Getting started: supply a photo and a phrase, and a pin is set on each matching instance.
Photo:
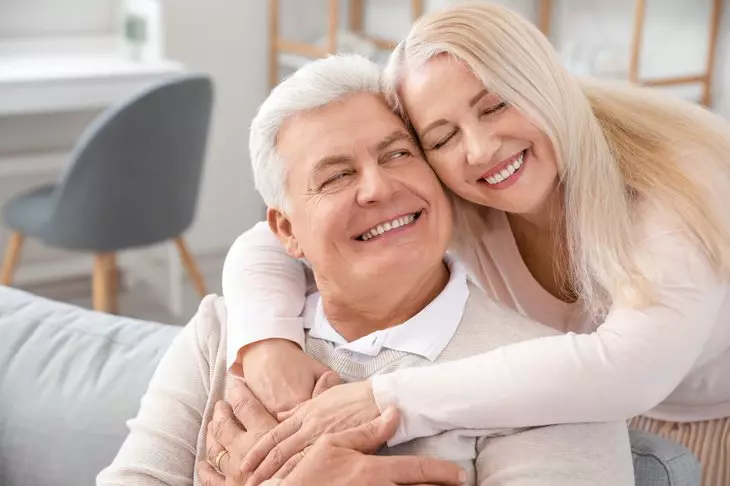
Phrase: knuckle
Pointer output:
(218, 424)
(241, 407)
(277, 456)
(209, 451)
(219, 408)
(275, 435)
(370, 430)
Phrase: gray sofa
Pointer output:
(70, 378)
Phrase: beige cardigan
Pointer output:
(167, 438)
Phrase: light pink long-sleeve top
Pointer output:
(670, 361)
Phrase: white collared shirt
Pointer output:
(425, 334)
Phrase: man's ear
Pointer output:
(281, 227)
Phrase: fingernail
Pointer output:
(388, 414)
(463, 476)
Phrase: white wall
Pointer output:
(32, 18)
(228, 39)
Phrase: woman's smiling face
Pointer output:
(482, 148)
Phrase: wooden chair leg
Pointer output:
(104, 282)
(12, 256)
(191, 266)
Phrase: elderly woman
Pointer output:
(348, 189)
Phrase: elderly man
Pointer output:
(349, 190)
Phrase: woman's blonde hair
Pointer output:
(615, 146)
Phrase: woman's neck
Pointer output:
(541, 239)
(545, 220)
(354, 312)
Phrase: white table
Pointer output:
(42, 77)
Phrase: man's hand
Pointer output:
(341, 458)
(337, 409)
(280, 375)
(236, 427)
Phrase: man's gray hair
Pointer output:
(315, 85)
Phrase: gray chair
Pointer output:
(133, 180)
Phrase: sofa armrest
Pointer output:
(660, 462)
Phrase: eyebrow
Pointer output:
(394, 137)
(441, 122)
(477, 97)
(329, 161)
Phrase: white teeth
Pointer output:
(507, 172)
(385, 227)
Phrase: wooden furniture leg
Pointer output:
(333, 18)
(636, 39)
(104, 283)
(191, 266)
(711, 51)
(546, 13)
(12, 256)
(273, 43)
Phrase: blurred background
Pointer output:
(63, 63)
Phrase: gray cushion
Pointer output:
(69, 380)
(28, 212)
(659, 462)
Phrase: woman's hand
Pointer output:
(337, 409)
(341, 458)
(279, 374)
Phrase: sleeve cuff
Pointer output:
(384, 393)
(239, 336)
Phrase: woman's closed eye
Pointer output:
(493, 109)
(443, 141)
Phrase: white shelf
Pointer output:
(36, 80)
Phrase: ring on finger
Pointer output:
(217, 463)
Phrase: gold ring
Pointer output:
(218, 459)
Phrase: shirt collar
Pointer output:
(425, 334)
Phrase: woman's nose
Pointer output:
(481, 146)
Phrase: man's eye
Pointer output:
(399, 154)
(336, 178)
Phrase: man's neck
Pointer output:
(354, 314)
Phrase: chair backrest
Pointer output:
(135, 173)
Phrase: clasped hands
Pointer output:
(319, 432)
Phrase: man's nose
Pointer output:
(376, 185)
